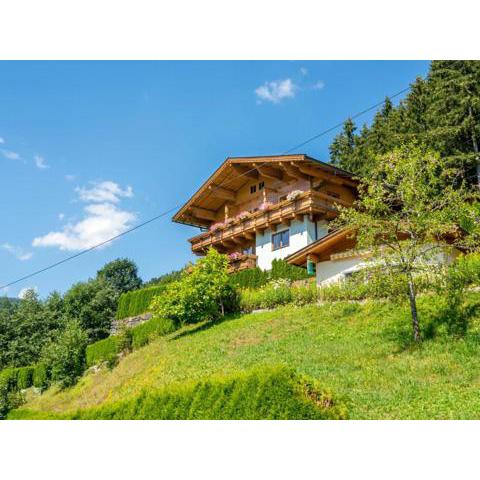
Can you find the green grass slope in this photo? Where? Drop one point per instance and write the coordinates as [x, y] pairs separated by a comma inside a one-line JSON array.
[[276, 393], [358, 352]]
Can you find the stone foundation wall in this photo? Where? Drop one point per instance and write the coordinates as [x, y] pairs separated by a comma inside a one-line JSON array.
[[129, 322]]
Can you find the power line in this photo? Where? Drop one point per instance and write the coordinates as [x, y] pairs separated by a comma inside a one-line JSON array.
[[163, 214]]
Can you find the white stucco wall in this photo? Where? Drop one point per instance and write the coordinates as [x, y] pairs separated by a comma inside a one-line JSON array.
[[302, 233], [332, 271]]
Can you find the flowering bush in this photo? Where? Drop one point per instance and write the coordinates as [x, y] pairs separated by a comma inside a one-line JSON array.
[[265, 206], [234, 255], [216, 226], [243, 215], [229, 221], [294, 195]]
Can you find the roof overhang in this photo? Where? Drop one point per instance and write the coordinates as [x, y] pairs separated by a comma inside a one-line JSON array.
[[235, 172], [322, 249]]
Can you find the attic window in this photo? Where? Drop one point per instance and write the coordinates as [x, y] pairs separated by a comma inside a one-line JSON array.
[[261, 185], [253, 188]]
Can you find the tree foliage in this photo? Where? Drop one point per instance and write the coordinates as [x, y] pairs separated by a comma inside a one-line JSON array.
[[93, 305], [413, 208], [121, 274], [65, 358], [441, 111]]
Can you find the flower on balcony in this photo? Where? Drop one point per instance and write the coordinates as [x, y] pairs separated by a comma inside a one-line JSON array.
[[243, 215], [265, 206], [294, 194], [234, 256], [216, 226], [229, 221]]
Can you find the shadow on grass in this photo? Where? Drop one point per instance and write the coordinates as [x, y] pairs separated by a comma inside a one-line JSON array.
[[437, 323], [202, 326]]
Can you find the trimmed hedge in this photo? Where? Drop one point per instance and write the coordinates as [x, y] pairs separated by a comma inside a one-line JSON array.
[[136, 302], [105, 350], [108, 349], [275, 393], [40, 376], [256, 277], [25, 377], [147, 331]]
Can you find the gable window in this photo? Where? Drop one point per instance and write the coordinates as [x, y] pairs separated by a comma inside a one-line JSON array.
[[261, 185], [253, 188], [281, 239]]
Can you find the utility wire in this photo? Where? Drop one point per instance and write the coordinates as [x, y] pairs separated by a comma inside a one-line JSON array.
[[163, 214]]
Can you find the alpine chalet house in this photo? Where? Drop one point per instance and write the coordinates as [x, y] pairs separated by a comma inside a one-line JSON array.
[[257, 209]]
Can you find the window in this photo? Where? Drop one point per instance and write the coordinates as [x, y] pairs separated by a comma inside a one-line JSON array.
[[253, 188], [261, 185], [281, 239]]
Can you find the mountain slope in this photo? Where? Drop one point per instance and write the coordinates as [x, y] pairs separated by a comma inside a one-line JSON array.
[[356, 351]]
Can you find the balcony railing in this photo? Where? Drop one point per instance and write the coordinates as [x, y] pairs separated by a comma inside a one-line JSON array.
[[242, 262], [307, 203]]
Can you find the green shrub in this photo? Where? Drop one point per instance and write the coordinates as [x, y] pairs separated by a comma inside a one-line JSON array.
[[249, 278], [9, 378], [276, 393], [276, 293], [25, 377], [201, 294], [256, 277], [283, 270], [65, 358], [137, 302], [40, 376], [147, 331], [10, 396], [105, 350]]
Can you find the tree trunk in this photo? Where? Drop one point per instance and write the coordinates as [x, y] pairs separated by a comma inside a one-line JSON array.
[[413, 309]]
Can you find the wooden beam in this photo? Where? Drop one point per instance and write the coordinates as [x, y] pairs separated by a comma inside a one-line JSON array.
[[204, 213], [333, 200], [317, 173], [294, 172], [269, 172], [245, 171], [249, 235], [223, 193]]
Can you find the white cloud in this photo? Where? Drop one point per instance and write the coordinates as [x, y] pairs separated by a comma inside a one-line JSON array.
[[23, 292], [40, 162], [319, 85], [102, 219], [104, 192], [276, 91], [11, 155], [2, 140], [101, 222], [61, 216], [69, 178], [17, 252], [304, 71]]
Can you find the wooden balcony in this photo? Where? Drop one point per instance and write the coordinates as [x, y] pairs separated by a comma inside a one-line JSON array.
[[240, 231], [243, 262]]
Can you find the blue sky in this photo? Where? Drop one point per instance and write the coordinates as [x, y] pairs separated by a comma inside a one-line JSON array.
[[88, 149]]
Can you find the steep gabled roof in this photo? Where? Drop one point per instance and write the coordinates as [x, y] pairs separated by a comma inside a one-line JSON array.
[[235, 172]]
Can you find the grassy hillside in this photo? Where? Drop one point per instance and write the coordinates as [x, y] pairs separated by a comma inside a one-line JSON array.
[[360, 352], [275, 393]]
